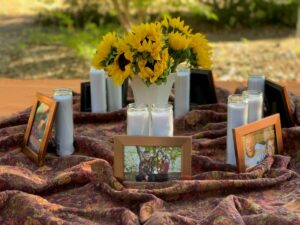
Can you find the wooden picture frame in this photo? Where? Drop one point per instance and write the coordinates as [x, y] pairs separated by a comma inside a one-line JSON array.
[[248, 138], [202, 87], [182, 143], [277, 101], [85, 97], [39, 128]]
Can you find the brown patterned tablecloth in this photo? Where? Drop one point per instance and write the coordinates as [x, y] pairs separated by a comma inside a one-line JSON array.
[[81, 188]]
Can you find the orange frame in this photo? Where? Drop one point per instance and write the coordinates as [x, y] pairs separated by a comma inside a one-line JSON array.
[[121, 141], [239, 132], [38, 158]]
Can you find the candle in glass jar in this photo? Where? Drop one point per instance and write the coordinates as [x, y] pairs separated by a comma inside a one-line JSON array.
[[114, 96], [255, 105], [137, 120], [98, 90], [182, 92], [256, 82], [162, 121], [237, 115], [64, 121]]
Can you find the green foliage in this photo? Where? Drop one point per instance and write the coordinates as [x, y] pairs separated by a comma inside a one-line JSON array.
[[255, 12], [82, 41]]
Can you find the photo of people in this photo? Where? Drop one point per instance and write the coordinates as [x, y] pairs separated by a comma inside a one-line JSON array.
[[152, 164], [258, 145], [38, 126]]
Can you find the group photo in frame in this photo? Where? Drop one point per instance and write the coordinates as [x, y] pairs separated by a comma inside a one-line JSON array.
[[39, 128], [257, 140], [277, 101], [152, 159]]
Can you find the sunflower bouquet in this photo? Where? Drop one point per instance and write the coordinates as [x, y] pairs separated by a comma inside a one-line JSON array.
[[152, 51]]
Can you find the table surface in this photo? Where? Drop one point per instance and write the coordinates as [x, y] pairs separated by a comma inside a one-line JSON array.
[[16, 95]]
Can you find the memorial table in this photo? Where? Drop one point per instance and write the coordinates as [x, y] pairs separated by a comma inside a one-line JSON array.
[[81, 188]]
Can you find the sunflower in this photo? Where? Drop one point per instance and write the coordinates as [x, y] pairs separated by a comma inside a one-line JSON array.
[[178, 41], [146, 39], [201, 51], [121, 68], [105, 51], [174, 24], [152, 72]]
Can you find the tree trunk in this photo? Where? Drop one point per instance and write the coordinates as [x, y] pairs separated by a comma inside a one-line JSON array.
[[123, 13], [298, 22]]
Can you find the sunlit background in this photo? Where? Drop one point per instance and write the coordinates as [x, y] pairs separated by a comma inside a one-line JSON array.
[[55, 39]]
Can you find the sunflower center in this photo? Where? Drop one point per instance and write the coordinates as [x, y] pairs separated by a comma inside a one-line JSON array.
[[147, 40], [123, 62], [150, 65]]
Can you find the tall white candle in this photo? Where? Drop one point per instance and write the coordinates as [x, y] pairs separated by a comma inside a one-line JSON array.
[[255, 105], [137, 120], [256, 82], [114, 96], [162, 121], [64, 121], [182, 92], [98, 90], [237, 115]]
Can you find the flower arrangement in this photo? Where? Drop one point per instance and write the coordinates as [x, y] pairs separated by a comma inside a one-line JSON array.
[[152, 51]]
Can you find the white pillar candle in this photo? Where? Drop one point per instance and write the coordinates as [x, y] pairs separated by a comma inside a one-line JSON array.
[[182, 92], [114, 96], [237, 111], [255, 105], [162, 121], [98, 90], [256, 82], [137, 120], [64, 125]]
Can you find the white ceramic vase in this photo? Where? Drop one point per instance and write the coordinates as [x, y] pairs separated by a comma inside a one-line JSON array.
[[154, 94]]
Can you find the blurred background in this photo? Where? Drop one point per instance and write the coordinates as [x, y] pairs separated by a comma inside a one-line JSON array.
[[56, 39]]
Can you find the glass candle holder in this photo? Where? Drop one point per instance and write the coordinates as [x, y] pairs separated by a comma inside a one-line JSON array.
[[137, 120], [182, 91], [64, 126], [255, 104], [162, 121], [237, 115], [256, 82]]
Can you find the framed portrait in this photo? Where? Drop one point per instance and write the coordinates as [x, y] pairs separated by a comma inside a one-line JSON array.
[[85, 97], [257, 140], [39, 128], [152, 159], [202, 87], [277, 101]]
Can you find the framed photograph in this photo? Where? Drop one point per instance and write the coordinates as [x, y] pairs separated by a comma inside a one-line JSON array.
[[152, 159], [257, 140], [277, 101], [39, 128], [85, 98], [202, 87]]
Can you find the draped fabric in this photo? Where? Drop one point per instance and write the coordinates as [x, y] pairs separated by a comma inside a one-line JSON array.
[[81, 188]]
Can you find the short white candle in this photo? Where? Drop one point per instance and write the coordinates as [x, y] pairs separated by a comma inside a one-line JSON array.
[[98, 90], [114, 96], [237, 115], [255, 105], [182, 92], [64, 126], [137, 120], [256, 82], [162, 121]]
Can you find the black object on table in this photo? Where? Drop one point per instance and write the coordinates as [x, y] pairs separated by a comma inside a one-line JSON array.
[[202, 87], [277, 101], [85, 100]]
